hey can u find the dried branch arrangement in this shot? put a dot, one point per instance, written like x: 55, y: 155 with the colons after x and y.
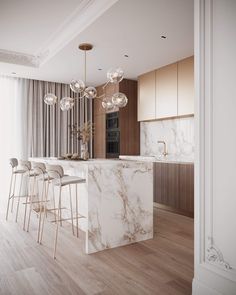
x: 84, y: 132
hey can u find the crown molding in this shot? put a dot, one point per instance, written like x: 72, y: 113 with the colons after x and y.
x: 83, y: 15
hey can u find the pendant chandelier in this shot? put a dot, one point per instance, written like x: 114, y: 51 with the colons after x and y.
x: 80, y: 88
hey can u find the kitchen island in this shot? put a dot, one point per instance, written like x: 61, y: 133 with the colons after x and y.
x: 116, y: 200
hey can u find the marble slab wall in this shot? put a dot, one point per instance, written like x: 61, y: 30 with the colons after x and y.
x: 177, y: 133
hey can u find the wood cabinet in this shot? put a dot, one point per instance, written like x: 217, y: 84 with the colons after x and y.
x: 129, y: 125
x: 128, y: 121
x: 167, y: 92
x: 147, y: 96
x: 174, y: 187
x: 186, y: 86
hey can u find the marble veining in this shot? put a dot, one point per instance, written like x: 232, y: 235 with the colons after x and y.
x: 177, y: 133
x: 117, y: 200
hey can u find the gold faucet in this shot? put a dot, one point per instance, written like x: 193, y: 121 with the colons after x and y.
x: 165, y: 153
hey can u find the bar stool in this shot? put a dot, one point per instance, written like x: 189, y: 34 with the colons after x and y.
x: 24, y: 169
x: 61, y: 180
x: 40, y: 174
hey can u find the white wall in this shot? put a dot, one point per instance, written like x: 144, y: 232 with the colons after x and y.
x: 177, y: 133
x: 215, y: 182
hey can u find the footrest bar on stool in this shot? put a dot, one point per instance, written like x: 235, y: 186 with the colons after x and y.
x: 11, y: 197
x: 34, y: 202
x: 65, y: 219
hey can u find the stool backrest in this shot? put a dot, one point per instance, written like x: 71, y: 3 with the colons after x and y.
x: 13, y: 162
x: 54, y: 171
x: 39, y: 168
x: 26, y: 165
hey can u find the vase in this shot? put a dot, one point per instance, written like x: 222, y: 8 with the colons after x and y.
x: 84, y: 151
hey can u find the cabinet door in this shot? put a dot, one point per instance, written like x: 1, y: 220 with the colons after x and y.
x: 146, y: 96
x: 186, y: 87
x: 186, y: 187
x: 166, y: 91
x: 100, y: 136
x: 166, y: 184
x: 129, y: 126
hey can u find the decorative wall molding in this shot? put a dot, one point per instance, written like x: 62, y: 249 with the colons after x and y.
x: 20, y: 58
x: 212, y: 274
x: 83, y: 15
x: 215, y: 256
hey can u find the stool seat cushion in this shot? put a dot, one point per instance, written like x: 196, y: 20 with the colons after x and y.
x: 65, y: 180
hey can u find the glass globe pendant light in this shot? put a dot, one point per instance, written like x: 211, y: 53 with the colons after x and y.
x: 50, y: 99
x: 67, y: 103
x: 107, y: 103
x: 77, y: 86
x: 115, y: 75
x: 119, y: 99
x: 90, y: 92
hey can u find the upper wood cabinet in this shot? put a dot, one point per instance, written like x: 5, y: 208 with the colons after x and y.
x: 166, y: 91
x: 147, y: 96
x: 128, y: 124
x: 186, y: 86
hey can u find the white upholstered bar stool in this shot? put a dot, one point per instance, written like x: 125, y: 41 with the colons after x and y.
x: 17, y: 170
x: 61, y: 180
x: 38, y: 198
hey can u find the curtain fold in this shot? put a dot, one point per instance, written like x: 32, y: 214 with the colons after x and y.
x: 42, y: 130
x: 48, y: 127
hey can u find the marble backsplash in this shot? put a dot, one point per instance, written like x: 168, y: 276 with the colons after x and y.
x: 177, y: 133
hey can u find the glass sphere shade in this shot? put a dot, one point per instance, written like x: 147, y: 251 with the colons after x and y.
x: 107, y: 103
x: 90, y: 92
x: 77, y: 86
x: 119, y: 99
x: 115, y: 75
x: 50, y: 99
x: 67, y: 103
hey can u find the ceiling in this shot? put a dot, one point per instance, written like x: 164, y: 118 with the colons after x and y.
x: 39, y: 39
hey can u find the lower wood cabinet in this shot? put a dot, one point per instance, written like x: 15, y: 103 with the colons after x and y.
x: 174, y: 187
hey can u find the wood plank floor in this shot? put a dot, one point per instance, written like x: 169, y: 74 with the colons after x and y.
x: 163, y: 265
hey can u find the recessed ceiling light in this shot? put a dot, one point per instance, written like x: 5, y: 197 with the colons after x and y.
x: 126, y: 55
x: 99, y: 69
x: 13, y: 73
x: 163, y: 37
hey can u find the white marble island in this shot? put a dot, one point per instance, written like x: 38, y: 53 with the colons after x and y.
x: 116, y: 199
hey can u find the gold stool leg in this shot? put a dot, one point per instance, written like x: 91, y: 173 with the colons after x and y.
x: 57, y: 225
x: 26, y: 202
x: 40, y: 211
x: 54, y: 203
x: 45, y: 211
x: 14, y: 189
x: 71, y: 212
x: 9, y: 197
x: 31, y: 204
x: 18, y: 203
x: 77, y: 215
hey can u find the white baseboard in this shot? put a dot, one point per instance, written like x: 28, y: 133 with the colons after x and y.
x: 198, y: 288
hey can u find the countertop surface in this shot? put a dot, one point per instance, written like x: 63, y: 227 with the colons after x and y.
x: 167, y: 159
x: 88, y: 162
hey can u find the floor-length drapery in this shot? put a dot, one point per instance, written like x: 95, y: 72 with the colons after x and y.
x: 30, y: 128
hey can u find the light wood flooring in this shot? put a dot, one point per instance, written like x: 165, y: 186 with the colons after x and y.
x: 163, y: 265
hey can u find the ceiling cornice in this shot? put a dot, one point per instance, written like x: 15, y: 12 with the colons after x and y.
x: 83, y: 15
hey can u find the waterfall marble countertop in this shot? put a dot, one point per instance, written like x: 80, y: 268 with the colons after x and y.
x: 167, y: 159
x: 116, y: 199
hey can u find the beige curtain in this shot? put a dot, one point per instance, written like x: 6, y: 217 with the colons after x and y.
x: 47, y: 127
